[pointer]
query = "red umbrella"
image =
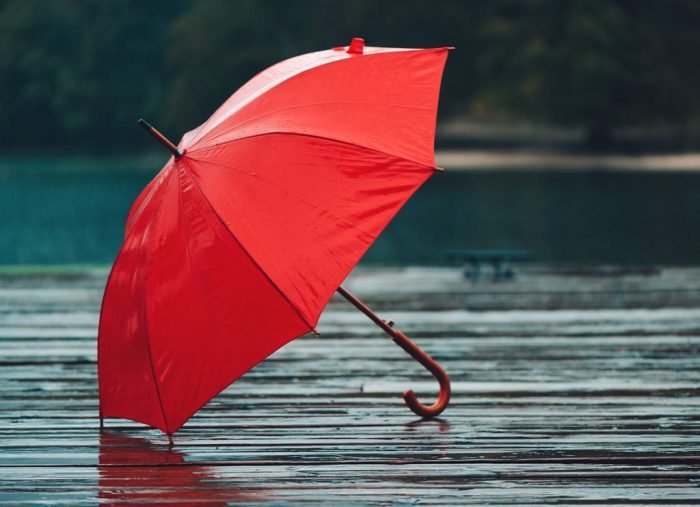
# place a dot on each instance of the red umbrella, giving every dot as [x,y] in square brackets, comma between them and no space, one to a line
[237,245]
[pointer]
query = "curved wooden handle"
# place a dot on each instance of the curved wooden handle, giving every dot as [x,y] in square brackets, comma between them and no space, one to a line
[416,353]
[433,367]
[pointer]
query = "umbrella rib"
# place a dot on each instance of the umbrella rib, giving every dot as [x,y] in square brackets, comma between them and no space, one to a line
[188,254]
[153,368]
[212,124]
[316,136]
[245,250]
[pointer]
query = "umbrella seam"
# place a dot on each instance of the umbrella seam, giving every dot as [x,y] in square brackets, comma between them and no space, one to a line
[148,341]
[188,254]
[252,259]
[316,136]
[242,218]
[312,104]
[157,183]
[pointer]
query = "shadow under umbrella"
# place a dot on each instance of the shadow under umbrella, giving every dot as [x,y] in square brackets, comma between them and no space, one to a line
[135,470]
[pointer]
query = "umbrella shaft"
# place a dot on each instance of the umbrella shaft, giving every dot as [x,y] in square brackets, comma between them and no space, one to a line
[367,311]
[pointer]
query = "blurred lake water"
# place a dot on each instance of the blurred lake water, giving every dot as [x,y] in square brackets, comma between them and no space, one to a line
[57,211]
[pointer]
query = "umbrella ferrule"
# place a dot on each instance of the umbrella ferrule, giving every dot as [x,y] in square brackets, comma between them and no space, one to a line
[169,145]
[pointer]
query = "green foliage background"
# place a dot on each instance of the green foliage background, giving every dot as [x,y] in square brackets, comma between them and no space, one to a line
[75,74]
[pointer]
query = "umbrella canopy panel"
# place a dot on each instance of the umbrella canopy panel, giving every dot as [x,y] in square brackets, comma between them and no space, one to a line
[385,98]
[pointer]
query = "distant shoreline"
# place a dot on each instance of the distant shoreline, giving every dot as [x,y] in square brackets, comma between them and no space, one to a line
[458,159]
[475,160]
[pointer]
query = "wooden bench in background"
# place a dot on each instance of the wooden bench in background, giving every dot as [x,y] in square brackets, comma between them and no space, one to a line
[500,260]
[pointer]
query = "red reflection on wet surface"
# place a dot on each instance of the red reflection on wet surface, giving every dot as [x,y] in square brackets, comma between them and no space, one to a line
[136,470]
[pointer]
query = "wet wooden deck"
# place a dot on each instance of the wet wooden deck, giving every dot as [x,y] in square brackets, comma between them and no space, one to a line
[578,386]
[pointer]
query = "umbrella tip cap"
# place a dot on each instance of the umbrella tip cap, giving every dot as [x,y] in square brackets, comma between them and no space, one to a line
[357,46]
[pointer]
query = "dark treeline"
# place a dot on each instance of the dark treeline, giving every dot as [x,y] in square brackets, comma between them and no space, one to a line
[75,74]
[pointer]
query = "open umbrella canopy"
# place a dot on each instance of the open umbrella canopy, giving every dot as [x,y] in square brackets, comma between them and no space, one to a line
[240,241]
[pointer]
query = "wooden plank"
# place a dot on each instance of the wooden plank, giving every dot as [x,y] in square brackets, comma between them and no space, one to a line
[596,402]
